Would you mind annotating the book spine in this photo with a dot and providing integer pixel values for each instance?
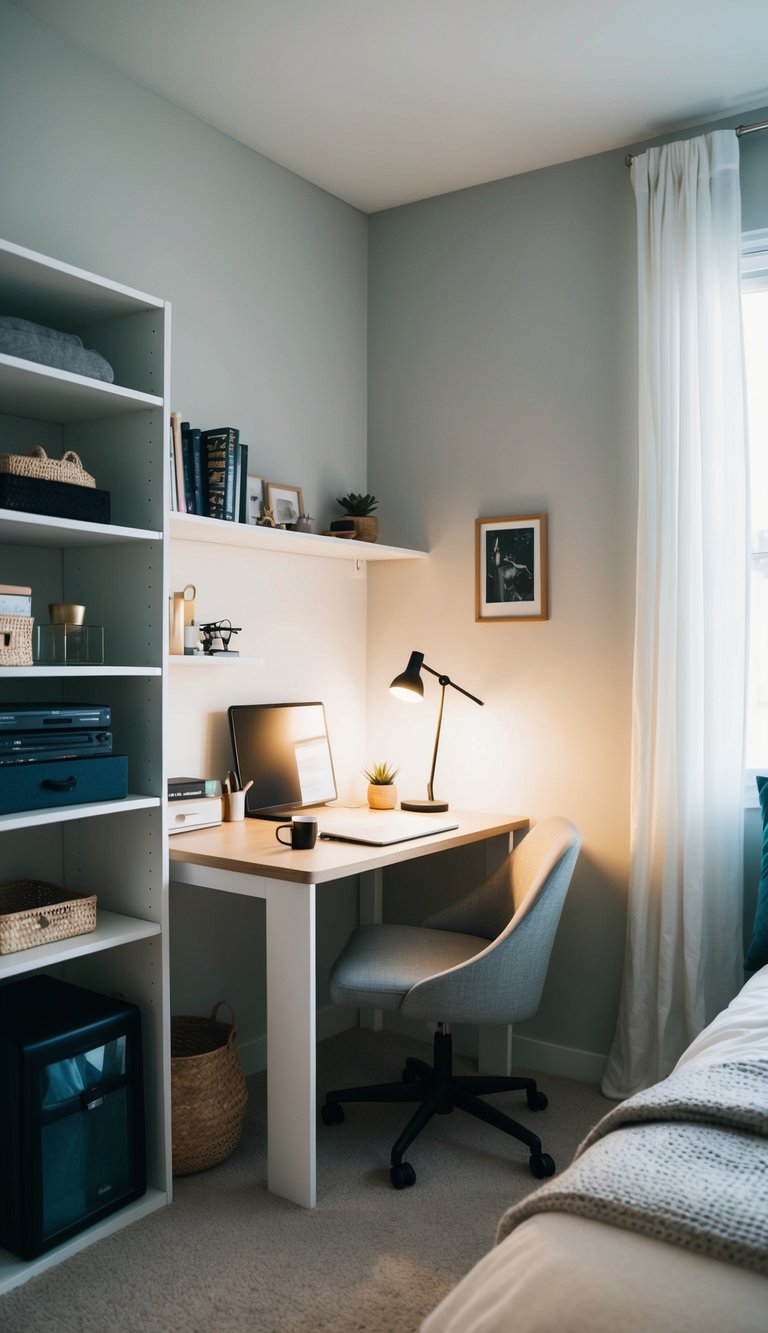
(198, 472)
(182, 791)
(219, 446)
(186, 459)
(178, 463)
(242, 509)
(230, 478)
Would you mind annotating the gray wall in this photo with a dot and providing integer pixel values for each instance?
(502, 381)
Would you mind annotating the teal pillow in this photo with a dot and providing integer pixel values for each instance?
(757, 953)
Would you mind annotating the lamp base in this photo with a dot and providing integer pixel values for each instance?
(424, 807)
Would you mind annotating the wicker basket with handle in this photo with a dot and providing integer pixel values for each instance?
(36, 463)
(208, 1091)
(34, 912)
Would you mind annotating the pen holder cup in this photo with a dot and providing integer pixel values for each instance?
(233, 806)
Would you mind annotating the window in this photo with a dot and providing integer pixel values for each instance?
(755, 318)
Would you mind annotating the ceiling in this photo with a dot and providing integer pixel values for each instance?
(382, 102)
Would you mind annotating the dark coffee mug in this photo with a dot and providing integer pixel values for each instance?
(303, 831)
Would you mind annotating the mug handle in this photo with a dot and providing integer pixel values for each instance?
(277, 834)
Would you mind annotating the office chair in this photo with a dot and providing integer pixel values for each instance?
(481, 960)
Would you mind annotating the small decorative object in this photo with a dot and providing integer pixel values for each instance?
(36, 463)
(216, 638)
(285, 502)
(208, 1091)
(303, 523)
(382, 792)
(66, 613)
(359, 508)
(66, 643)
(255, 502)
(511, 568)
(267, 519)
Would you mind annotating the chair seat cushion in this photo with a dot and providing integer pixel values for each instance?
(379, 964)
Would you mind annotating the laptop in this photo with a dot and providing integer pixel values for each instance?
(382, 829)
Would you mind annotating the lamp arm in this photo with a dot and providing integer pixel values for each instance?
(443, 683)
(446, 680)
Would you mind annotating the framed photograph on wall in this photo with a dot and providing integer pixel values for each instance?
(511, 568)
(285, 502)
(255, 505)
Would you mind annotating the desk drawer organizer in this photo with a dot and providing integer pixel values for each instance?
(33, 912)
(62, 782)
(16, 640)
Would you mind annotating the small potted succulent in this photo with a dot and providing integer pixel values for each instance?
(382, 792)
(359, 515)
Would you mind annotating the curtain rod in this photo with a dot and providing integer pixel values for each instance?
(740, 129)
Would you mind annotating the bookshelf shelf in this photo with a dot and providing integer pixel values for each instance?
(193, 528)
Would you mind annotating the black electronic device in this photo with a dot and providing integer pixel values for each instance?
(283, 749)
(72, 1141)
(53, 716)
(31, 747)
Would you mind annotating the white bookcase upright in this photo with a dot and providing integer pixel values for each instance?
(115, 849)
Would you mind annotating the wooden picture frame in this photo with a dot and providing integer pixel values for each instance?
(255, 500)
(285, 502)
(511, 576)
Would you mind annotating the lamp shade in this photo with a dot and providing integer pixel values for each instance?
(408, 685)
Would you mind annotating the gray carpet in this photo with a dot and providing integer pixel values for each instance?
(228, 1257)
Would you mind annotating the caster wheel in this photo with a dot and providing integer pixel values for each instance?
(402, 1176)
(537, 1101)
(542, 1166)
(332, 1113)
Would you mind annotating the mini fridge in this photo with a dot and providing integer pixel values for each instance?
(72, 1138)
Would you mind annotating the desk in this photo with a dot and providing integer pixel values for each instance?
(246, 858)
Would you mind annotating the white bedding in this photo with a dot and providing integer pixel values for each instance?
(571, 1274)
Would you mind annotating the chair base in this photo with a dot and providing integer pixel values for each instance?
(439, 1091)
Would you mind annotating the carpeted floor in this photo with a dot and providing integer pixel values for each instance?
(228, 1257)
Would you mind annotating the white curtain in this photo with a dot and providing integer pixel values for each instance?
(684, 933)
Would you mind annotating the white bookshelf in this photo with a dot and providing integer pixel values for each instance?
(116, 849)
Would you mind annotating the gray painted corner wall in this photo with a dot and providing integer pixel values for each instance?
(502, 381)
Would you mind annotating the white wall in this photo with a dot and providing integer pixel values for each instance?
(267, 276)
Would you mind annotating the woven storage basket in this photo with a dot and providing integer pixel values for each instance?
(36, 463)
(208, 1091)
(16, 640)
(33, 912)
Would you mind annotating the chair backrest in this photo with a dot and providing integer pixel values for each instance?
(517, 909)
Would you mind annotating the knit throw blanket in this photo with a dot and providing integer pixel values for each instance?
(690, 1166)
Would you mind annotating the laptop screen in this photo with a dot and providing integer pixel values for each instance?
(284, 750)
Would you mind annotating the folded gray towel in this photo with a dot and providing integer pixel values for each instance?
(49, 347)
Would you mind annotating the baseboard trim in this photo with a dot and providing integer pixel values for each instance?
(543, 1057)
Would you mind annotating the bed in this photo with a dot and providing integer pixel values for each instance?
(661, 1221)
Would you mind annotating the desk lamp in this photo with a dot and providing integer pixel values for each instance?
(410, 687)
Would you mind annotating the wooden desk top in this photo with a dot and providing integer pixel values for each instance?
(251, 847)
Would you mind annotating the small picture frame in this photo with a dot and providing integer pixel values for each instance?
(255, 498)
(285, 502)
(511, 568)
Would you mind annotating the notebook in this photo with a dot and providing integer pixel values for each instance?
(383, 828)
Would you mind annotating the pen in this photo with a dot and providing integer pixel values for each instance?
(248, 786)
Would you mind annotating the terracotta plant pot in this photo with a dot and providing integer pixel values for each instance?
(382, 796)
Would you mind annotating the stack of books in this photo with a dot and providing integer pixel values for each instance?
(209, 470)
(15, 600)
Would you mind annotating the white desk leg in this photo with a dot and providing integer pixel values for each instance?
(371, 908)
(291, 1043)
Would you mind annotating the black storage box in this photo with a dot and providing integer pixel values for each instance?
(72, 1138)
(62, 782)
(56, 499)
